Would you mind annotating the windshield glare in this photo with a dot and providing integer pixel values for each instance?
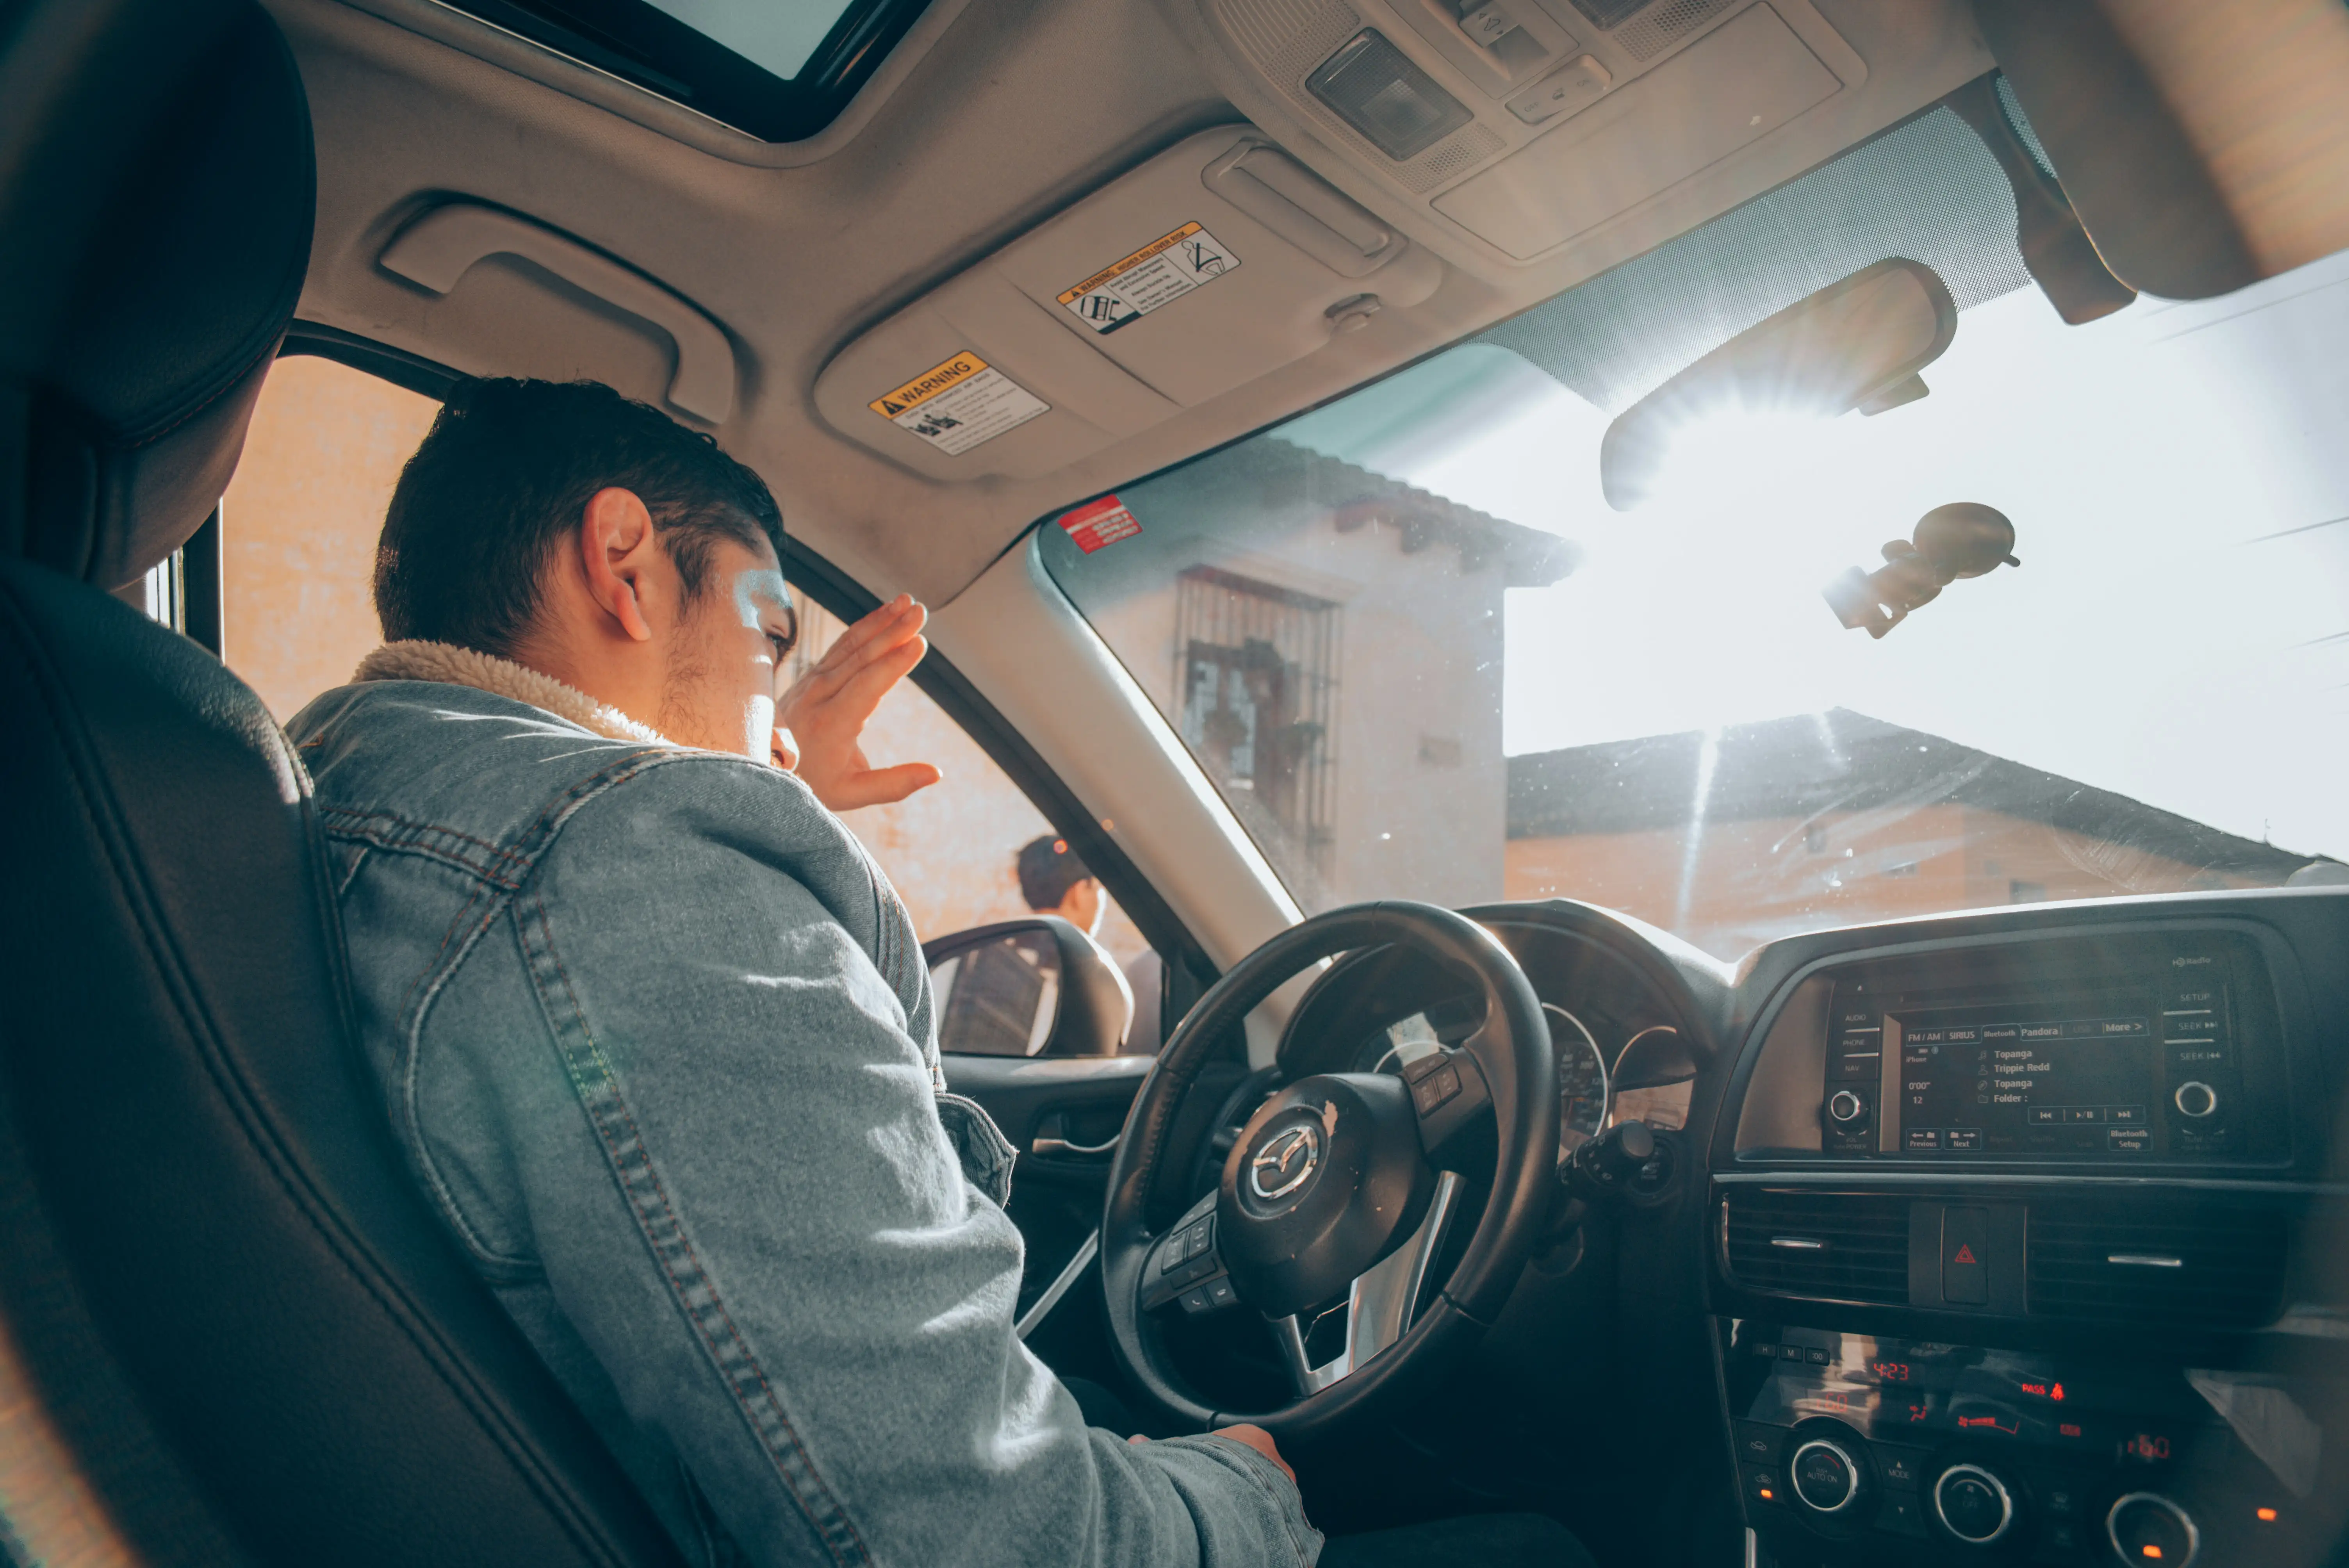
(1422, 658)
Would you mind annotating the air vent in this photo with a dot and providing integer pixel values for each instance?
(1830, 1246)
(2209, 1268)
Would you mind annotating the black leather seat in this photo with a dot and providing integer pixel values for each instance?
(250, 1335)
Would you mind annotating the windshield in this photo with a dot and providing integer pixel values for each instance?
(1422, 657)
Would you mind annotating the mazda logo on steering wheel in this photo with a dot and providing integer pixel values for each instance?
(1286, 1160)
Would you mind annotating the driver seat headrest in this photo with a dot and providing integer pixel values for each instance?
(157, 190)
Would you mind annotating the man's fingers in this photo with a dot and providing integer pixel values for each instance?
(881, 786)
(862, 691)
(882, 627)
(874, 637)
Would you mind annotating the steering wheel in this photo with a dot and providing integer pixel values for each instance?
(1340, 1195)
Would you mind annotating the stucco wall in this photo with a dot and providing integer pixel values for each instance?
(1421, 786)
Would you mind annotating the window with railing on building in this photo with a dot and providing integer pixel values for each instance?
(1258, 683)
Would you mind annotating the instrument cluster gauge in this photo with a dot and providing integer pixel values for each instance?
(1654, 1077)
(1582, 1084)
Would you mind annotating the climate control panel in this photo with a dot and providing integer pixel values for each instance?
(1854, 1450)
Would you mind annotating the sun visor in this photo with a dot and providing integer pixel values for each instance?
(2204, 147)
(1217, 262)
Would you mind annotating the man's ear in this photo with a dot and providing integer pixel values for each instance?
(617, 547)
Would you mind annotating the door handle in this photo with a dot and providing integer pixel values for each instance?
(1047, 1145)
(1051, 1138)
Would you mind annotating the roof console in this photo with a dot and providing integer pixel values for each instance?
(1515, 129)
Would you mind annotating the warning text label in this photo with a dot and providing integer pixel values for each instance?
(1163, 271)
(958, 404)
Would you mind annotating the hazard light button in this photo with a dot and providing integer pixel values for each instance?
(1965, 1256)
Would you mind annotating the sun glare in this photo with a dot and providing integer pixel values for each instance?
(2144, 458)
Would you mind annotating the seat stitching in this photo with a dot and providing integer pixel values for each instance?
(663, 1233)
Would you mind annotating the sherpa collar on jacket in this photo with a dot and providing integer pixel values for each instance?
(421, 661)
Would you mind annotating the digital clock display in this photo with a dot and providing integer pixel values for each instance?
(1891, 1371)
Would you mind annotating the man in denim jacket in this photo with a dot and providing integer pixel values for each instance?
(656, 1037)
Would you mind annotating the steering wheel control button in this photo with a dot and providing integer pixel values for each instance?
(1824, 1476)
(2195, 1099)
(1974, 1505)
(1195, 1300)
(1220, 1292)
(1965, 1256)
(1434, 1089)
(1185, 1257)
(2145, 1527)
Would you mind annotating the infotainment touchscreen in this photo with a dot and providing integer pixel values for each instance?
(2000, 1078)
(2131, 1054)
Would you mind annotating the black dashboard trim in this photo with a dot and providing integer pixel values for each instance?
(1862, 1179)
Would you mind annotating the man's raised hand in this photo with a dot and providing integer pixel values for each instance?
(819, 721)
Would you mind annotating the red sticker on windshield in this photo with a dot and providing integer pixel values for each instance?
(1099, 522)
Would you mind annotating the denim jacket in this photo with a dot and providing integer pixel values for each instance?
(656, 1036)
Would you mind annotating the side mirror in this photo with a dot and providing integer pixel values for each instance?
(1856, 344)
(1027, 988)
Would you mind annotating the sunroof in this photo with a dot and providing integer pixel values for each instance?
(779, 39)
(780, 71)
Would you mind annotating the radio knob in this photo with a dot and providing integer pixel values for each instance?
(2145, 1527)
(1824, 1476)
(2197, 1099)
(1974, 1505)
(1845, 1107)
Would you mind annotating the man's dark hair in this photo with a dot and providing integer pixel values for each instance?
(506, 470)
(1048, 869)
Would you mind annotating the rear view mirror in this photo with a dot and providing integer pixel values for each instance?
(1027, 988)
(1856, 344)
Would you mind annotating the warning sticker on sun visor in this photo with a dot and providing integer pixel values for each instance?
(1162, 272)
(960, 403)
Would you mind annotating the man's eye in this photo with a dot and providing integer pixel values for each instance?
(782, 643)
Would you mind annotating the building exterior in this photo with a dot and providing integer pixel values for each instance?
(1835, 819)
(1301, 620)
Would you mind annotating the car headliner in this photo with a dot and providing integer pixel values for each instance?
(994, 115)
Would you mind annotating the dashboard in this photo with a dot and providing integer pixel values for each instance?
(1617, 1034)
(1652, 1068)
(2012, 1236)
